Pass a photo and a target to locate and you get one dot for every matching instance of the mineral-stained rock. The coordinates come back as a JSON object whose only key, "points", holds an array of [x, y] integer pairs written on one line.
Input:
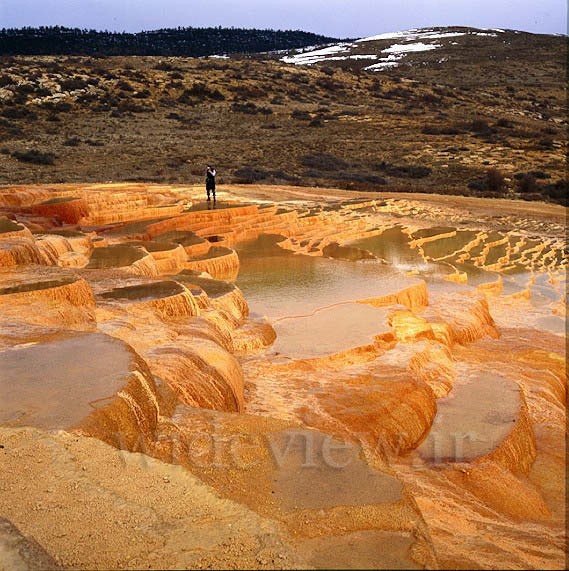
{"points": [[321, 382], [168, 299], [132, 259], [219, 262]]}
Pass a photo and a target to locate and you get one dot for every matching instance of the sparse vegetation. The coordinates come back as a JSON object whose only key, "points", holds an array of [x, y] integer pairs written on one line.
{"points": [[34, 156], [421, 128]]}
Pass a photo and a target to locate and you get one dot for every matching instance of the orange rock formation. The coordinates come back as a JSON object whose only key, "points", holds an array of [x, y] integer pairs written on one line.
{"points": [[346, 377]]}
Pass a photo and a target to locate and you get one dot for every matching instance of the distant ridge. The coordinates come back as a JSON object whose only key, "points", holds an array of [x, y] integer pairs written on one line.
{"points": [[191, 42]]}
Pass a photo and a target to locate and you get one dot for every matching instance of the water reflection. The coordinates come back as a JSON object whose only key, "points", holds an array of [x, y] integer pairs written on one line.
{"points": [[278, 283]]}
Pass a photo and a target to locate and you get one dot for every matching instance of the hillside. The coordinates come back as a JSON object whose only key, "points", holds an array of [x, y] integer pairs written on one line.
{"points": [[483, 114], [188, 42]]}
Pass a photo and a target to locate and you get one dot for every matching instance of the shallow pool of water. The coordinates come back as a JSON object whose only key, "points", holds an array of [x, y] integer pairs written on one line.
{"points": [[278, 283], [56, 384]]}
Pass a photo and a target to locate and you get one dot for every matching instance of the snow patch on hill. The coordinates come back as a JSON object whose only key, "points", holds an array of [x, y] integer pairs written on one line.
{"points": [[412, 35], [414, 42]]}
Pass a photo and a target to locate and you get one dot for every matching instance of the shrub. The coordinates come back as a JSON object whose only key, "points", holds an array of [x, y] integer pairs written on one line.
{"points": [[323, 161], [558, 191], [42, 92], [246, 92], [18, 113], [440, 130], [398, 92], [361, 178], [477, 184], [201, 92], [250, 175], [403, 171], [480, 126], [87, 98], [505, 123], [165, 66], [535, 174], [58, 106], [73, 84], [495, 180], [301, 115], [527, 184], [131, 107], [5, 80], [124, 86], [248, 108], [26, 88], [546, 143], [144, 94], [540, 174], [430, 99], [35, 157], [72, 142], [328, 84]]}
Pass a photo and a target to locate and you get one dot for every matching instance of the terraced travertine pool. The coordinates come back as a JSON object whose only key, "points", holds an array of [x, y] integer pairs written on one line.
{"points": [[39, 382], [278, 283]]}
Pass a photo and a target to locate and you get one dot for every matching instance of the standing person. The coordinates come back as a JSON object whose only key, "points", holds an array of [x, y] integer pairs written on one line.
{"points": [[210, 181]]}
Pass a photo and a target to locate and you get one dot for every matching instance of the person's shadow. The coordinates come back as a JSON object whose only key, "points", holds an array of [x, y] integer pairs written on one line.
{"points": [[211, 205]]}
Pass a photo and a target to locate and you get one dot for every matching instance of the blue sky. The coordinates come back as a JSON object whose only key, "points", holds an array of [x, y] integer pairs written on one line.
{"points": [[338, 18]]}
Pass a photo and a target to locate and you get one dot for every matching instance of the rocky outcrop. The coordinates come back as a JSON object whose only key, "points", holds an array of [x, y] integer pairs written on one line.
{"points": [[65, 210], [19, 251], [71, 250]]}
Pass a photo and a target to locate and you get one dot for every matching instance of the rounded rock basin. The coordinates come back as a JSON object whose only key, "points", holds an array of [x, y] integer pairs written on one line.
{"points": [[154, 246], [57, 232], [214, 252], [7, 225], [34, 285], [213, 288], [278, 283], [144, 292], [330, 330], [54, 385], [473, 420], [183, 237], [132, 228], [116, 256]]}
